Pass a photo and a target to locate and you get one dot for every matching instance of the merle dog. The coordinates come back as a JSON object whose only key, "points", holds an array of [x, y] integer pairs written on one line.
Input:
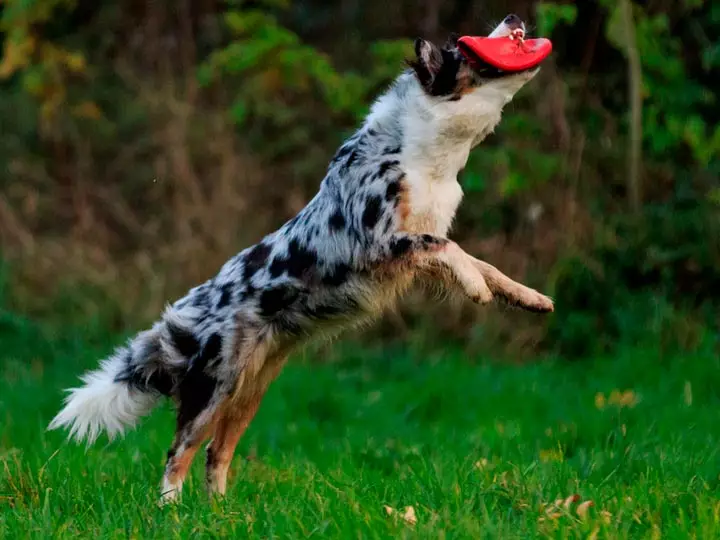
{"points": [[378, 222]]}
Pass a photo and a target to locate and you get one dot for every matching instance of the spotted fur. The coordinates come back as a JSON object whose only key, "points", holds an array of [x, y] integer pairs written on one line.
{"points": [[379, 220]]}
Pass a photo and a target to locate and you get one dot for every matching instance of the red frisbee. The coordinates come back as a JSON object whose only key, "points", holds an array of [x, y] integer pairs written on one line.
{"points": [[505, 53]]}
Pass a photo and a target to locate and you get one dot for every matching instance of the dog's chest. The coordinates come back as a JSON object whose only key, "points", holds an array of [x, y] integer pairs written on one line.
{"points": [[431, 204]]}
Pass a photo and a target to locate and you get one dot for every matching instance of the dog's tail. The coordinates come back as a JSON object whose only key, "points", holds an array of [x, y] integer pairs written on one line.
{"points": [[129, 383]]}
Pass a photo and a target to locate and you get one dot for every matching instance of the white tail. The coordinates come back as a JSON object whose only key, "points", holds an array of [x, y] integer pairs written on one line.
{"points": [[103, 403]]}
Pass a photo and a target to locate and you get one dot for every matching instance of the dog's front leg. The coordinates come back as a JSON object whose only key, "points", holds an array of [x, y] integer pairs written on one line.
{"points": [[439, 257], [447, 261], [511, 291]]}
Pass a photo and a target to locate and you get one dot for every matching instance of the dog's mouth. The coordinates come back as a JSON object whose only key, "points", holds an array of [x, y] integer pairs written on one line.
{"points": [[503, 56]]}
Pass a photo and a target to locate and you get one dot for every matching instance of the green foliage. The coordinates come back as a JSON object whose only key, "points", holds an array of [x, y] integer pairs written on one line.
{"points": [[43, 65], [550, 15], [659, 281], [273, 72], [672, 117], [90, 124]]}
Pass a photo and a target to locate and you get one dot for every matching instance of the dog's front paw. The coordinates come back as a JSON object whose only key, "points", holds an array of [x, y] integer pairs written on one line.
{"points": [[531, 300]]}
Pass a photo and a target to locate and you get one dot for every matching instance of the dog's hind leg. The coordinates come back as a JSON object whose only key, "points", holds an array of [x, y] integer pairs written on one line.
{"points": [[197, 415], [234, 421], [200, 397], [180, 456], [203, 398]]}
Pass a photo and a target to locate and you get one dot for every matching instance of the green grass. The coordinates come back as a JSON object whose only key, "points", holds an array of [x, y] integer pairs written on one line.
{"points": [[475, 447]]}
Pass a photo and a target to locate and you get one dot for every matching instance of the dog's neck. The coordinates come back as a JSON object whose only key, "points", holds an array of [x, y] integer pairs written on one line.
{"points": [[436, 138]]}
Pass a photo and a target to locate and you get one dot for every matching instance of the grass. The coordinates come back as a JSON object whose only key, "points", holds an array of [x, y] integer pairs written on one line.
{"points": [[476, 448]]}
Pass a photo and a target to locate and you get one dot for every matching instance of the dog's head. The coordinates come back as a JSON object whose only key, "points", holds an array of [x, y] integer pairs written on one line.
{"points": [[453, 84]]}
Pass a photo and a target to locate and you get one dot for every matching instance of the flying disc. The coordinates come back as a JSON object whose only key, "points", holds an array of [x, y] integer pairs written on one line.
{"points": [[505, 53]]}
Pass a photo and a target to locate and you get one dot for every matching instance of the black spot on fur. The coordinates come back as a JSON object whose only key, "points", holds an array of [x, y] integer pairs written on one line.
{"points": [[197, 387], [434, 241], [225, 295], [200, 298], [194, 394], [277, 299], [136, 375], [255, 260], [385, 165], [210, 459], [337, 220], [392, 150], [298, 262], [278, 266], [388, 225], [392, 191], [300, 259], [337, 276], [158, 381], [211, 351], [323, 311], [371, 214], [343, 151], [350, 160], [365, 178], [249, 291], [161, 381], [182, 339], [400, 246]]}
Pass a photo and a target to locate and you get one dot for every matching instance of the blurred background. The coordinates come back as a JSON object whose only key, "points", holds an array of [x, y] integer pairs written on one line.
{"points": [[145, 142]]}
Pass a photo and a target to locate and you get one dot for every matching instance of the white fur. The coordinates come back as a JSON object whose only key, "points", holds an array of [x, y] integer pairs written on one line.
{"points": [[437, 139], [503, 30], [169, 492], [102, 404]]}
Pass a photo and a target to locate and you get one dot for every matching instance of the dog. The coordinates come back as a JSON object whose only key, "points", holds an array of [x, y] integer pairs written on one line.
{"points": [[378, 222]]}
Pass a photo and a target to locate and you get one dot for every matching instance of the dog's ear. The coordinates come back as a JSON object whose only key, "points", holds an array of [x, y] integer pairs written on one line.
{"points": [[452, 40], [435, 68], [428, 61]]}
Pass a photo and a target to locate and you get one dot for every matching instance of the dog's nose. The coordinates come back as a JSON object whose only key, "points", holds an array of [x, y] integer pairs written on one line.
{"points": [[513, 22], [511, 25]]}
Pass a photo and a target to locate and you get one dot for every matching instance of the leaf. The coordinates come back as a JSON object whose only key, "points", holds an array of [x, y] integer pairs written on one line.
{"points": [[600, 400], [87, 109], [513, 183], [549, 15], [615, 29], [239, 112], [583, 508], [551, 455], [481, 464], [408, 515], [75, 61], [618, 399]]}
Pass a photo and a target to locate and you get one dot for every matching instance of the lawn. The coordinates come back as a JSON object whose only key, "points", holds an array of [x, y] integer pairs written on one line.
{"points": [[475, 447]]}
